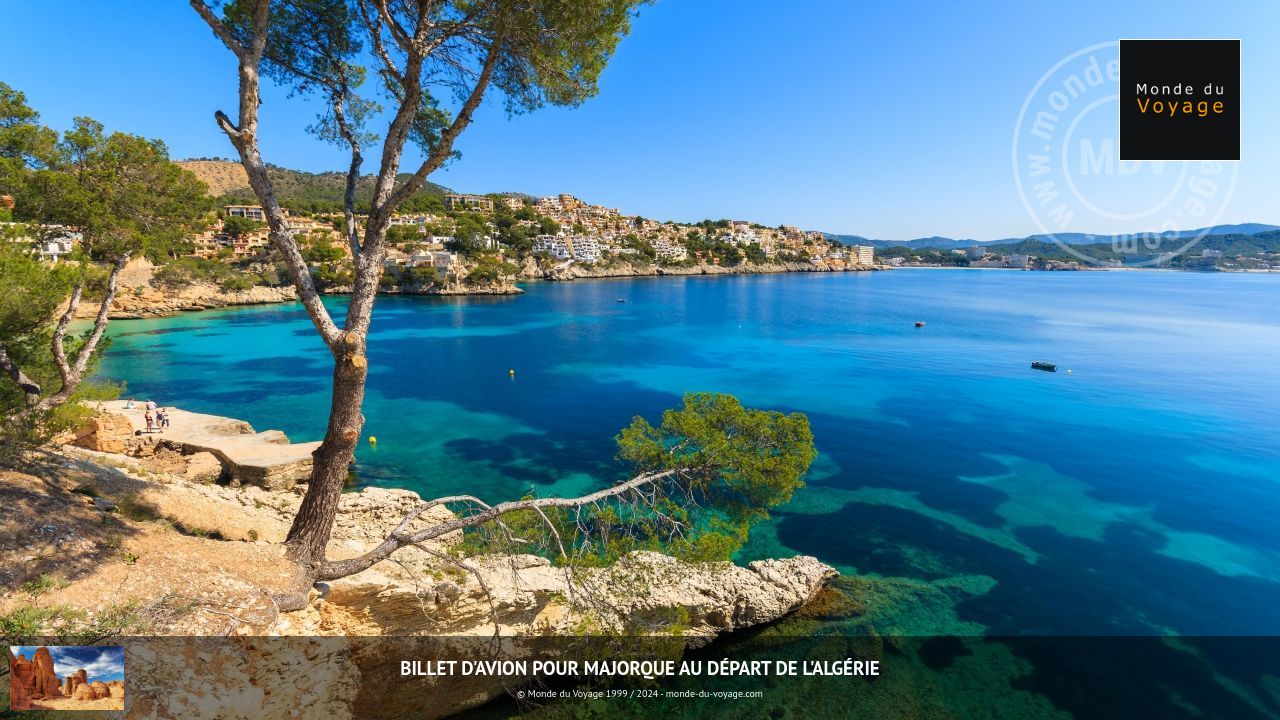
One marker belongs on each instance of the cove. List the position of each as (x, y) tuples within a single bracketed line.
[(1135, 496)]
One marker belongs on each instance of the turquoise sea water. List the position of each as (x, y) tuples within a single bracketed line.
[(1137, 495)]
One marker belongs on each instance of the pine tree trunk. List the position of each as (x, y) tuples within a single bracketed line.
[(313, 524)]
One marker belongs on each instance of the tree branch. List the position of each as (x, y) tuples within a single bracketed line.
[(30, 388), (100, 322), (396, 540), (397, 32), (244, 137), (73, 373), (228, 127), (373, 23), (219, 28), (60, 332), (444, 148), (353, 174)]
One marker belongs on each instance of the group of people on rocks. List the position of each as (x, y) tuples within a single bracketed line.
[(157, 417)]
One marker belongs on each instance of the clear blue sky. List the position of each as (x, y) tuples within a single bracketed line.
[(887, 119)]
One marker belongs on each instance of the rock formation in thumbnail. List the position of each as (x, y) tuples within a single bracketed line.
[(44, 681), (19, 682)]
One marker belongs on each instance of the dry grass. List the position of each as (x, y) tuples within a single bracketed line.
[(221, 177)]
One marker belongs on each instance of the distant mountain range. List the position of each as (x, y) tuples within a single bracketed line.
[(946, 243)]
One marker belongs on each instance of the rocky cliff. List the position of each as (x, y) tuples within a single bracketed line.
[(141, 302), (204, 560)]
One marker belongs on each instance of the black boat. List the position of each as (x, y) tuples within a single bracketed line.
[(1045, 366)]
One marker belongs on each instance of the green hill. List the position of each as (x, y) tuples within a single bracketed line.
[(1231, 245), (301, 191)]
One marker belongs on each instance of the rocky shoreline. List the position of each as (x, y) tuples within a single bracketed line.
[(138, 299), (148, 302), (151, 524), (144, 301), (576, 271)]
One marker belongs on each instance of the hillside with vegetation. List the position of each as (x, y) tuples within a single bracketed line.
[(299, 190)]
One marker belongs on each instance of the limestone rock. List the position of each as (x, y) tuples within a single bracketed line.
[(142, 300), (107, 432), (266, 459), (104, 504), (203, 467), (341, 640), (256, 677), (117, 688)]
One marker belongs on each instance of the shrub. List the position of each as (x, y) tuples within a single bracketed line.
[(236, 283)]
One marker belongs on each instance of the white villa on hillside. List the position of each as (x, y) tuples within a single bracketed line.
[(585, 248), (551, 245), (670, 251)]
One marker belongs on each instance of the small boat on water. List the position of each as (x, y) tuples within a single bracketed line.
[(1042, 365), (621, 300), (919, 323)]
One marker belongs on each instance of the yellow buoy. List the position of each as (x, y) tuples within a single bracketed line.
[(511, 372), (373, 440)]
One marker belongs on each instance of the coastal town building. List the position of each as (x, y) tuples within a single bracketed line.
[(570, 213), (460, 203), (55, 249), (300, 224), (208, 243), (432, 258), (248, 212), (441, 263), (991, 261), (394, 259), (250, 243), (863, 254), (668, 250), (975, 253), (552, 246), (50, 242), (584, 248), (421, 221)]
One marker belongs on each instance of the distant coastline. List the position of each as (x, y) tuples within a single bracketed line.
[(141, 300), (146, 302)]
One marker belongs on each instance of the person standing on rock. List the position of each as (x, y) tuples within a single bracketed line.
[(150, 420), (162, 419), (151, 405)]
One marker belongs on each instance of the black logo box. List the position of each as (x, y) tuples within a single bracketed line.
[(1187, 68)]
